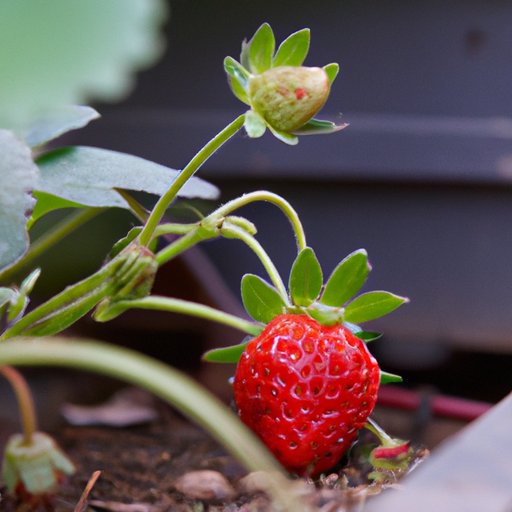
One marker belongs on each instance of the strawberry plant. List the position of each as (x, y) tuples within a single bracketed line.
[(305, 381)]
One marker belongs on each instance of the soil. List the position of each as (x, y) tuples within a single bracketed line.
[(141, 468)]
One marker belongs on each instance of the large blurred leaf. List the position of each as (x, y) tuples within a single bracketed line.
[(62, 52), (56, 122), (88, 176), (19, 175)]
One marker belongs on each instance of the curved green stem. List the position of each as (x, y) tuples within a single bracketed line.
[(188, 171), (181, 245), (155, 302), (231, 231), (379, 432), (174, 229), (280, 202), (167, 383), (43, 243), (25, 402)]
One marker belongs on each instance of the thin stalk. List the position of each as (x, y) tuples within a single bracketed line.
[(174, 229), (169, 384), (155, 302), (379, 432), (270, 197), (231, 231), (25, 402), (43, 243), (181, 245), (188, 171)]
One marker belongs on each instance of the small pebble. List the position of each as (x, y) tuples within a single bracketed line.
[(205, 485)]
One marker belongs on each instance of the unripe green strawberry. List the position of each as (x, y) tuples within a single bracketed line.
[(306, 389), (287, 97)]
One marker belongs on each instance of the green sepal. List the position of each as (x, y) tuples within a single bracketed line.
[(20, 300), (261, 300), (388, 378), (239, 75), (319, 127), (287, 138), (293, 50), (306, 278), (368, 336), (372, 305), (260, 49), (332, 71), (125, 241), (227, 354), (254, 124), (346, 280)]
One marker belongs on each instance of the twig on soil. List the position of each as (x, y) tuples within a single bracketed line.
[(82, 502)]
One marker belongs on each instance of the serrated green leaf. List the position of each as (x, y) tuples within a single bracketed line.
[(332, 71), (306, 278), (387, 378), (88, 176), (254, 124), (19, 177), (293, 50), (368, 336), (372, 305), (261, 49), (287, 138), (55, 123), (346, 280), (319, 127), (226, 354), (63, 52), (260, 299)]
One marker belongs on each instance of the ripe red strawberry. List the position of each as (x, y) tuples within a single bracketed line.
[(306, 389)]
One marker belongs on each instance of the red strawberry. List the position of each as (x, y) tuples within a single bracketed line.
[(306, 389)]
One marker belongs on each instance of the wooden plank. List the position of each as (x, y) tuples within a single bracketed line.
[(470, 472)]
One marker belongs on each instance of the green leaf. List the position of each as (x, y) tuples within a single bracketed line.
[(63, 52), (347, 279), (55, 123), (88, 176), (254, 124), (226, 354), (238, 90), (293, 50), (332, 71), (372, 305), (19, 177), (261, 300), (261, 49), (368, 336), (319, 127), (387, 378), (287, 138), (306, 278), (47, 203)]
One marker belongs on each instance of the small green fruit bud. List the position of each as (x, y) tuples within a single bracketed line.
[(287, 97)]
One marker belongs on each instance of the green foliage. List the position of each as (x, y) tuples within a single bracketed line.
[(372, 305), (63, 52), (306, 278), (19, 177), (293, 50), (261, 300), (260, 49), (346, 280), (226, 354), (86, 176), (388, 378)]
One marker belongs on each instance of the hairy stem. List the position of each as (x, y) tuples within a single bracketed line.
[(188, 171), (280, 202)]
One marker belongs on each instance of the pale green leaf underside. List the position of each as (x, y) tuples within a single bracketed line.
[(55, 123), (64, 52), (88, 176), (254, 124), (19, 176)]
